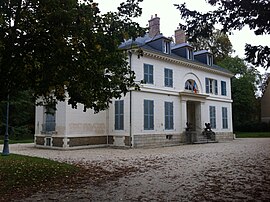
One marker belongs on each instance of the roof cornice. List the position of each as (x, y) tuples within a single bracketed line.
[(190, 64)]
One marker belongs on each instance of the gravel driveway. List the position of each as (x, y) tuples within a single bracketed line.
[(231, 171)]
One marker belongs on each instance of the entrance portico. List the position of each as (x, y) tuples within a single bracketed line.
[(192, 111)]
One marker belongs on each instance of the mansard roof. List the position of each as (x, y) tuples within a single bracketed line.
[(143, 43)]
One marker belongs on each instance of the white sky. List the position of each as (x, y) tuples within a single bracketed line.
[(170, 19)]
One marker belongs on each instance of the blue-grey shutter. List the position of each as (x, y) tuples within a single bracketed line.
[(151, 114), (223, 88), (168, 77), (119, 115), (216, 87), (151, 75), (148, 73), (148, 114), (212, 110), (207, 85), (166, 83), (145, 71), (224, 117), (171, 78), (116, 112), (145, 105), (166, 115), (169, 115)]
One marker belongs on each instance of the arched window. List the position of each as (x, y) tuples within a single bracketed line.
[(191, 86)]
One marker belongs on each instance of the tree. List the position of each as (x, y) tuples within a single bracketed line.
[(57, 48), (232, 15), (245, 104), (22, 116), (264, 82), (219, 44)]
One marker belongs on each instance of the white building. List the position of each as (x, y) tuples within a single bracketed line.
[(181, 86)]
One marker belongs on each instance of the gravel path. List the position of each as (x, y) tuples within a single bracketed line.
[(230, 171)]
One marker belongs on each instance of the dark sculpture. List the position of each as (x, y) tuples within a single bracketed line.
[(208, 133), (189, 126)]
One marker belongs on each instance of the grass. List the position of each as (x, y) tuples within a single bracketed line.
[(252, 134), (23, 175), (18, 141)]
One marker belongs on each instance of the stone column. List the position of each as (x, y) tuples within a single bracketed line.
[(203, 115), (183, 114)]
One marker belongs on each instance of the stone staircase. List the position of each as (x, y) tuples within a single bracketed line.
[(193, 137)]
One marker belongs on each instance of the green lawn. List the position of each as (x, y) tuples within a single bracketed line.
[(23, 175), (252, 134), (17, 141)]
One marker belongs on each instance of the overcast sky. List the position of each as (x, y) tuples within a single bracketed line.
[(170, 19)]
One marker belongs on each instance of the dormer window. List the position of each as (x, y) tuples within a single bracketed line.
[(166, 47), (209, 60), (204, 56), (190, 55)]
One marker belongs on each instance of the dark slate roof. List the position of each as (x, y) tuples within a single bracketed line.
[(201, 52), (175, 46), (142, 42)]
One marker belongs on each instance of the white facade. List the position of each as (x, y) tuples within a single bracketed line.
[(178, 92)]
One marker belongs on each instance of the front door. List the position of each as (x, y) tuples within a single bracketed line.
[(194, 115)]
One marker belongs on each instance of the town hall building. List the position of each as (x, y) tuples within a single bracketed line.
[(182, 91)]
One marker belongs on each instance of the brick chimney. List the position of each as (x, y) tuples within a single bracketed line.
[(180, 36), (154, 28)]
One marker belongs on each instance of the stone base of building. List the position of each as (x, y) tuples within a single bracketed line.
[(157, 140), (224, 136), (58, 142), (140, 140)]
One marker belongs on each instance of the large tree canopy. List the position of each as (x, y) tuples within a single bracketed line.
[(55, 47), (243, 86), (232, 15), (219, 44)]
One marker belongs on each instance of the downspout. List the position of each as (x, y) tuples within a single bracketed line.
[(130, 105), (107, 125)]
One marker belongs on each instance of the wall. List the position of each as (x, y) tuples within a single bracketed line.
[(265, 106)]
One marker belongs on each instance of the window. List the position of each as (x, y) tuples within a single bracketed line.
[(168, 77), (168, 115), (119, 115), (212, 110), (191, 85), (209, 60), (224, 117), (49, 124), (148, 73), (211, 86), (223, 88), (148, 115), (166, 47), (190, 54)]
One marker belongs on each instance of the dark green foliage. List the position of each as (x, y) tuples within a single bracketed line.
[(232, 15), (22, 116), (219, 44), (253, 134), (246, 108), (53, 47)]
